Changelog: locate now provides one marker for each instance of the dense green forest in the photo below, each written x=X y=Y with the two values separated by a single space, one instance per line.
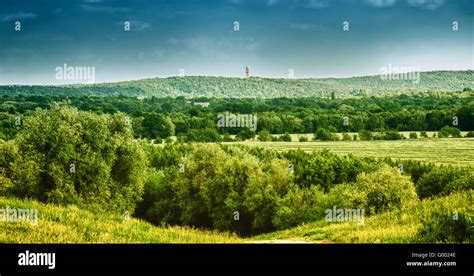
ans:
x=256 y=87
x=164 y=117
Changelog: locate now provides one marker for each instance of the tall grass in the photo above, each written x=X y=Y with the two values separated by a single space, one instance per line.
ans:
x=58 y=224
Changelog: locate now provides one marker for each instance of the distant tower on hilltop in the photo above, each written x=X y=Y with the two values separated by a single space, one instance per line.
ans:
x=247 y=72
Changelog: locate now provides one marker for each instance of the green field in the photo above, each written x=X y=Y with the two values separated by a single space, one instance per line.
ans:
x=454 y=151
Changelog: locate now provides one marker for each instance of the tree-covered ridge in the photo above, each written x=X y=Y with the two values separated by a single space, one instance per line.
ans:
x=256 y=87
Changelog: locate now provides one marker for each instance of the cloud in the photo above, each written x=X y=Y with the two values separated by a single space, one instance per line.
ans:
x=272 y=2
x=301 y=26
x=139 y=25
x=306 y=27
x=382 y=3
x=426 y=4
x=17 y=16
x=316 y=4
x=313 y=4
x=94 y=8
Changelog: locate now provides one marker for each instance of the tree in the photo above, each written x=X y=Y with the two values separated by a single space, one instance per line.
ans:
x=448 y=131
x=264 y=136
x=365 y=135
x=285 y=138
x=155 y=125
x=323 y=134
x=67 y=156
x=392 y=135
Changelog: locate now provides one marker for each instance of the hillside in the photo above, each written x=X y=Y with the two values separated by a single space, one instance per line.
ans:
x=256 y=87
x=59 y=224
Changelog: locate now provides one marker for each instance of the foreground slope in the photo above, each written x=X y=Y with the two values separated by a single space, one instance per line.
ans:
x=71 y=225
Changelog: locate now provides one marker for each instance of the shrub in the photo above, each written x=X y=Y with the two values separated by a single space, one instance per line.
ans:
x=470 y=134
x=202 y=135
x=324 y=168
x=303 y=138
x=448 y=131
x=299 y=205
x=365 y=135
x=443 y=181
x=8 y=155
x=346 y=137
x=285 y=138
x=386 y=189
x=391 y=135
x=423 y=134
x=245 y=134
x=217 y=182
x=413 y=135
x=264 y=136
x=324 y=135
x=227 y=138
x=445 y=227
x=67 y=156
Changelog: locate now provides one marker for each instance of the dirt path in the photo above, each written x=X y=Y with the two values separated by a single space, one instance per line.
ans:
x=289 y=242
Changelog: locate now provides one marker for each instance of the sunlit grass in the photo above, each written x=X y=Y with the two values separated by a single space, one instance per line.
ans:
x=58 y=224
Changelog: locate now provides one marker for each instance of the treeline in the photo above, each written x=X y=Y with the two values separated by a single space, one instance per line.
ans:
x=67 y=156
x=159 y=118
x=256 y=87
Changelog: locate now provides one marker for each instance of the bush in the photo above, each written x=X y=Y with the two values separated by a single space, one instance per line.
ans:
x=365 y=135
x=386 y=189
x=413 y=135
x=245 y=134
x=213 y=185
x=299 y=205
x=470 y=134
x=448 y=131
x=391 y=135
x=325 y=169
x=443 y=181
x=202 y=135
x=423 y=134
x=264 y=136
x=227 y=138
x=445 y=226
x=303 y=138
x=324 y=135
x=285 y=138
x=346 y=137
x=67 y=156
x=8 y=155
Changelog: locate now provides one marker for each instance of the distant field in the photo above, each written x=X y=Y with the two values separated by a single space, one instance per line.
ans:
x=406 y=134
x=455 y=151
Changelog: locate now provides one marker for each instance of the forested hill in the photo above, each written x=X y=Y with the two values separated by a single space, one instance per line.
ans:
x=194 y=86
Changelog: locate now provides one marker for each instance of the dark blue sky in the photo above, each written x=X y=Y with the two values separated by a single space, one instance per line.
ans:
x=198 y=36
